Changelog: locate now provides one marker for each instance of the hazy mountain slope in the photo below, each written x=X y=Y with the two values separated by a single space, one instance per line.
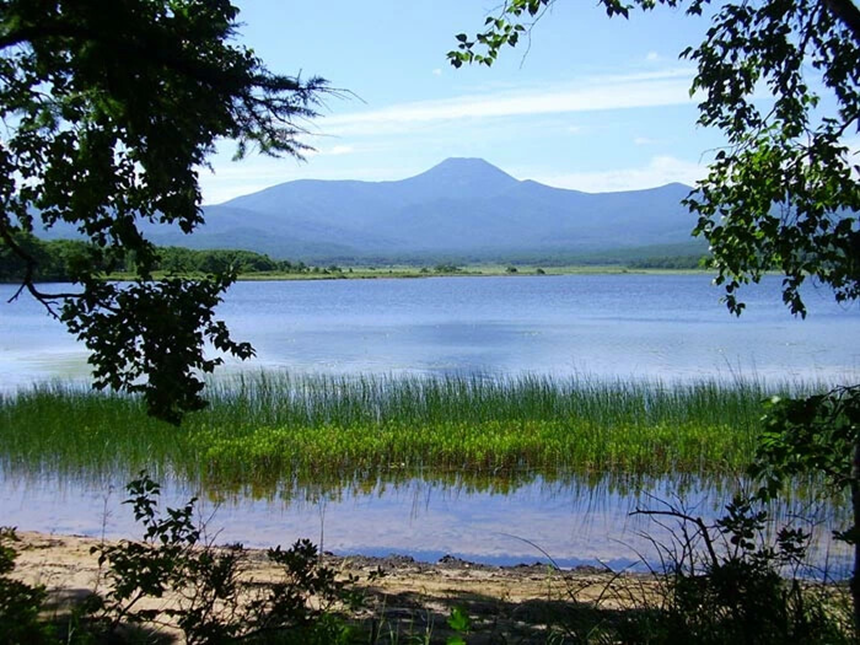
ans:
x=460 y=206
x=533 y=216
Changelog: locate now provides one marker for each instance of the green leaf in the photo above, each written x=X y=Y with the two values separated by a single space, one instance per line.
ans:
x=459 y=620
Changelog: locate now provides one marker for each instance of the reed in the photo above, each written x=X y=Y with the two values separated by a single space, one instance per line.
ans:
x=272 y=425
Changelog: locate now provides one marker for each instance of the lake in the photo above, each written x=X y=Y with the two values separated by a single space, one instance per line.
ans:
x=670 y=327
x=666 y=327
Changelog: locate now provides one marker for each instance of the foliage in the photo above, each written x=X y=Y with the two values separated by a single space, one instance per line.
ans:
x=817 y=433
x=212 y=601
x=59 y=259
x=20 y=603
x=56 y=260
x=460 y=622
x=13 y=267
x=447 y=267
x=820 y=434
x=111 y=108
x=671 y=262
x=181 y=261
x=728 y=583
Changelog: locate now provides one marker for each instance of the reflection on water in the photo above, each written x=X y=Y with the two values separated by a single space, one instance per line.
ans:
x=576 y=521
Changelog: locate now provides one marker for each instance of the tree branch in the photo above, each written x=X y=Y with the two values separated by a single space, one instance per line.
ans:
x=700 y=524
x=30 y=33
x=28 y=282
x=847 y=13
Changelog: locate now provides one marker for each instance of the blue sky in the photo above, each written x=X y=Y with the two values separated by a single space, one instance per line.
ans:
x=593 y=104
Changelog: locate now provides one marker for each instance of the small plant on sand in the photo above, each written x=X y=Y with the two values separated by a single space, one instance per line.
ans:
x=460 y=622
x=20 y=604
x=201 y=589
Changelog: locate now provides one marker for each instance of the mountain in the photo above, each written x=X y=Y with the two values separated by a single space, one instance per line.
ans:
x=461 y=207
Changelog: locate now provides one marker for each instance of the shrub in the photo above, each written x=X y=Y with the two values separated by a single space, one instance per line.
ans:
x=20 y=603
x=212 y=602
x=726 y=584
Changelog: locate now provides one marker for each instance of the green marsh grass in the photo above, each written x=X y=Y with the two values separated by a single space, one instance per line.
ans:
x=270 y=425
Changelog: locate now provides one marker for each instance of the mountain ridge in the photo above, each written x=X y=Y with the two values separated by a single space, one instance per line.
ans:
x=461 y=206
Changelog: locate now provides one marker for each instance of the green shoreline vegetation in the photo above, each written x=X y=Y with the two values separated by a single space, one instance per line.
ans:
x=58 y=259
x=402 y=271
x=269 y=427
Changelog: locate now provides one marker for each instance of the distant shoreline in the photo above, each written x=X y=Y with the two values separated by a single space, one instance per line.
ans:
x=407 y=273
x=400 y=272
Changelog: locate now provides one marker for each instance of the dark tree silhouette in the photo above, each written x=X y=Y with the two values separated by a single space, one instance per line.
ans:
x=110 y=108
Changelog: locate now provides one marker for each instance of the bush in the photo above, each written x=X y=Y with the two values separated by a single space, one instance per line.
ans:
x=212 y=601
x=726 y=585
x=20 y=604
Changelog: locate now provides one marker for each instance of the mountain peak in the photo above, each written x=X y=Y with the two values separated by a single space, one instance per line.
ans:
x=474 y=166
x=460 y=177
x=465 y=163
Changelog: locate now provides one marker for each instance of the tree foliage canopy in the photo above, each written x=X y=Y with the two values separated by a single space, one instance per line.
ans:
x=784 y=194
x=110 y=109
x=57 y=261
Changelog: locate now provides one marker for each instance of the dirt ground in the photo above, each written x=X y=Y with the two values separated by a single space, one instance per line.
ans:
x=412 y=600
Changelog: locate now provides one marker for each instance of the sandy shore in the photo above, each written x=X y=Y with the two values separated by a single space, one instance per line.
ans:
x=411 y=598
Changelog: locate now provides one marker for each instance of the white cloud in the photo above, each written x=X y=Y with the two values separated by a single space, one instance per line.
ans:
x=659 y=171
x=340 y=150
x=437 y=72
x=651 y=89
x=645 y=141
x=652 y=56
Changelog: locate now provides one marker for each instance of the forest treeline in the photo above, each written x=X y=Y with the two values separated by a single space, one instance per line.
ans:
x=671 y=262
x=56 y=261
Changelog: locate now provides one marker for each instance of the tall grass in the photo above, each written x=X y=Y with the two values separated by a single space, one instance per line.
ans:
x=270 y=425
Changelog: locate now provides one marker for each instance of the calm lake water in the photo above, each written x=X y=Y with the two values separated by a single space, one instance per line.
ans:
x=608 y=326
x=639 y=326
x=576 y=522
